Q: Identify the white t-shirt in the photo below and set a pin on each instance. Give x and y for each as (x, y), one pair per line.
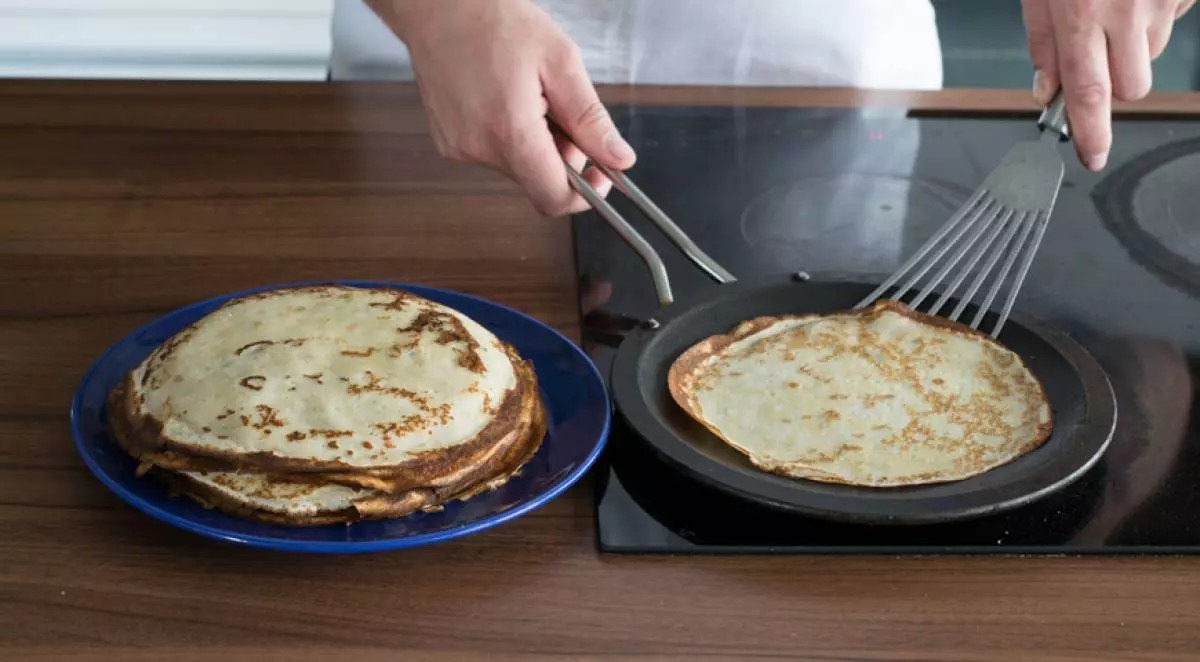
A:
(855, 43)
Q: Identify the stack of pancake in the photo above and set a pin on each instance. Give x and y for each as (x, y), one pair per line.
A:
(318, 405)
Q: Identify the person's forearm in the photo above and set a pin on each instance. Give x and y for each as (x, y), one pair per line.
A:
(401, 16)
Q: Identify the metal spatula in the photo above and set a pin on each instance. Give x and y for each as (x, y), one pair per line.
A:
(1002, 222)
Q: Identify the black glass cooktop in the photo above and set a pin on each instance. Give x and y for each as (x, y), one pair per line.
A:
(774, 191)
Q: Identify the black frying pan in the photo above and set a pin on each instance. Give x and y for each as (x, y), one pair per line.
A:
(1081, 398)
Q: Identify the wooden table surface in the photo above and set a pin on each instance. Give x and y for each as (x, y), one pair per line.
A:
(119, 202)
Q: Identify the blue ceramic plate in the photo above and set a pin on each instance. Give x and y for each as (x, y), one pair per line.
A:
(573, 390)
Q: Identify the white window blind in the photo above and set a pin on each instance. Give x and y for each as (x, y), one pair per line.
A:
(166, 39)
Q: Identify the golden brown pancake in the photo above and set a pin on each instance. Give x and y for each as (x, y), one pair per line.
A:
(315, 405)
(326, 378)
(878, 397)
(280, 500)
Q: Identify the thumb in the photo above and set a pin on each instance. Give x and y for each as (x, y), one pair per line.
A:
(575, 105)
(1039, 29)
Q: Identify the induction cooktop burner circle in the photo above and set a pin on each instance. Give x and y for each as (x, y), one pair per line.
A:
(850, 221)
(1150, 205)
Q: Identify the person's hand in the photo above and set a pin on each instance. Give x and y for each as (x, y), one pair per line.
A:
(488, 72)
(1096, 50)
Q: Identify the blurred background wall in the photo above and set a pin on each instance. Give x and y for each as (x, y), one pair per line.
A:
(983, 41)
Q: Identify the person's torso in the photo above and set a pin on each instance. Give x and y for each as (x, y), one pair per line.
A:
(855, 43)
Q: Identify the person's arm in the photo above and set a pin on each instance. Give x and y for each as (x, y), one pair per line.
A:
(1096, 50)
(488, 72)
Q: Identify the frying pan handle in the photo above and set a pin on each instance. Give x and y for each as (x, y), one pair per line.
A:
(1054, 117)
(608, 329)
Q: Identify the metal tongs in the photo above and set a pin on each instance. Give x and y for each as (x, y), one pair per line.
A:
(658, 271)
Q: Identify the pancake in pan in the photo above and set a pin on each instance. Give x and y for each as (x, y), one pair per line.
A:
(879, 397)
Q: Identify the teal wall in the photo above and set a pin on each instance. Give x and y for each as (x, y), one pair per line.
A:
(983, 45)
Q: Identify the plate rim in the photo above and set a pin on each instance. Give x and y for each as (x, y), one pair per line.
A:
(316, 546)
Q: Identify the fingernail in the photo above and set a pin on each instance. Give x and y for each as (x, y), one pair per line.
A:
(617, 147)
(1096, 162)
(1042, 89)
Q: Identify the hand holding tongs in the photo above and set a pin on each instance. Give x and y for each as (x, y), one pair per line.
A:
(662, 282)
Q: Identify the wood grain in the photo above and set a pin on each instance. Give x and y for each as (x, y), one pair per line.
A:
(119, 202)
